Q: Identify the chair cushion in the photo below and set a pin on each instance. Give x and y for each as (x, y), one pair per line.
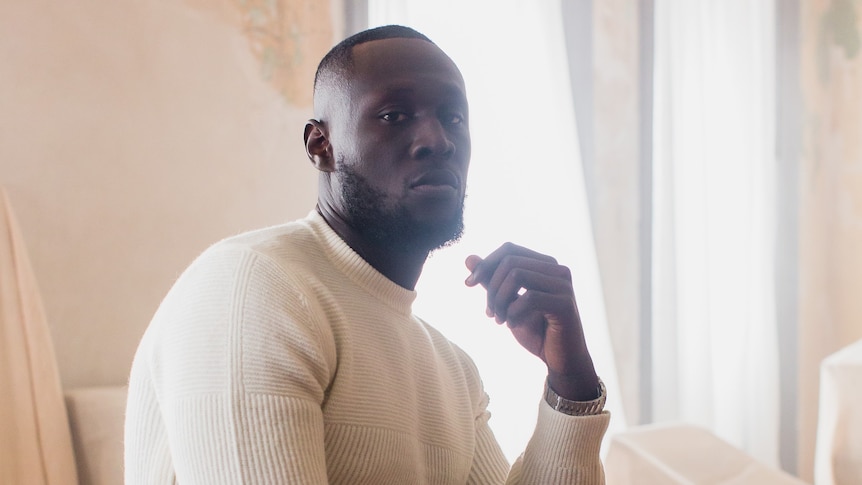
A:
(684, 454)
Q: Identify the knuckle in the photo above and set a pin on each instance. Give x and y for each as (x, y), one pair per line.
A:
(500, 303)
(517, 275)
(506, 264)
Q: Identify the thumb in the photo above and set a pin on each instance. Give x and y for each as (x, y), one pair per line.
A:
(472, 262)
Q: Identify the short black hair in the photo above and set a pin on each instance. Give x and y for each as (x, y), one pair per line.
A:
(340, 57)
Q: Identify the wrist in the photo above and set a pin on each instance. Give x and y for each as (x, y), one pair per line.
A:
(575, 387)
(576, 407)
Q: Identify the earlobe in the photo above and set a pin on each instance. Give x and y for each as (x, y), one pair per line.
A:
(317, 146)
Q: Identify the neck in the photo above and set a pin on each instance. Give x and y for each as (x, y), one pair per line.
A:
(401, 263)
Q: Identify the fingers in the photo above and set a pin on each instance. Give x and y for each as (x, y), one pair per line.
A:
(482, 270)
(472, 262)
(533, 294)
(526, 283)
(519, 281)
(548, 308)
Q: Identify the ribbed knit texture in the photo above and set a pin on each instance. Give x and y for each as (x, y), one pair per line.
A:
(280, 356)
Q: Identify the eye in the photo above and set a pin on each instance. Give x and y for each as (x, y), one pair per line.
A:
(454, 118)
(394, 117)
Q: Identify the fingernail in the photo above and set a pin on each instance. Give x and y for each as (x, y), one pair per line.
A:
(489, 312)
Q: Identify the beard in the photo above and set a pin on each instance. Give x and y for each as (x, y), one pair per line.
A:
(379, 220)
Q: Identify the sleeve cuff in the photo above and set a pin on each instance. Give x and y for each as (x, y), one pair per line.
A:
(567, 441)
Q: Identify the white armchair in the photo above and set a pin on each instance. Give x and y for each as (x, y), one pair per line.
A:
(838, 459)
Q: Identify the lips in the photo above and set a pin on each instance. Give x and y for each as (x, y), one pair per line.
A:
(436, 178)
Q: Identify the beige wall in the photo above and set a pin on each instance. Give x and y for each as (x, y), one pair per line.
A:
(830, 225)
(134, 134)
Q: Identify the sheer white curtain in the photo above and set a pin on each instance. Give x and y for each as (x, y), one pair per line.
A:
(525, 186)
(715, 342)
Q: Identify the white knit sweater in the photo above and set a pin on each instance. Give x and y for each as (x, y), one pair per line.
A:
(281, 356)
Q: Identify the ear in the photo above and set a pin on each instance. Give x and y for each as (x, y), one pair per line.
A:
(317, 146)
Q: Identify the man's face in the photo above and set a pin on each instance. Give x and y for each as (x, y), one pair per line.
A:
(401, 145)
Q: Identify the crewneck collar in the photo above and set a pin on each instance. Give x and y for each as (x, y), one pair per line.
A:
(349, 262)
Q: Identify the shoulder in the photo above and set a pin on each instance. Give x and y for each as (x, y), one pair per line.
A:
(289, 241)
(243, 305)
(244, 280)
(284, 252)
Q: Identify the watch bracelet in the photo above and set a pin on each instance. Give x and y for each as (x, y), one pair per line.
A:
(576, 408)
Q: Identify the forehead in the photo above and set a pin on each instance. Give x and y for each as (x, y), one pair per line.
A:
(404, 63)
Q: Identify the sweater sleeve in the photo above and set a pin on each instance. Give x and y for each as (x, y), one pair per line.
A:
(563, 450)
(239, 365)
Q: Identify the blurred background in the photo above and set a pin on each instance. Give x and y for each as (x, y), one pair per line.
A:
(697, 163)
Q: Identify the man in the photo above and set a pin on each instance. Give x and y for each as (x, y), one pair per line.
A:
(291, 355)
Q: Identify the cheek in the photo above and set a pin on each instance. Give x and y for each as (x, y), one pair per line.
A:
(380, 164)
(464, 144)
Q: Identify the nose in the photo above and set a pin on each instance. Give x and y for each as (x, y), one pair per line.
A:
(431, 140)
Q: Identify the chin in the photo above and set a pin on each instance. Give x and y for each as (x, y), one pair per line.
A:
(442, 234)
(412, 224)
(414, 234)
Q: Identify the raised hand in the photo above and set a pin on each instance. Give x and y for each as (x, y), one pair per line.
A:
(533, 295)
